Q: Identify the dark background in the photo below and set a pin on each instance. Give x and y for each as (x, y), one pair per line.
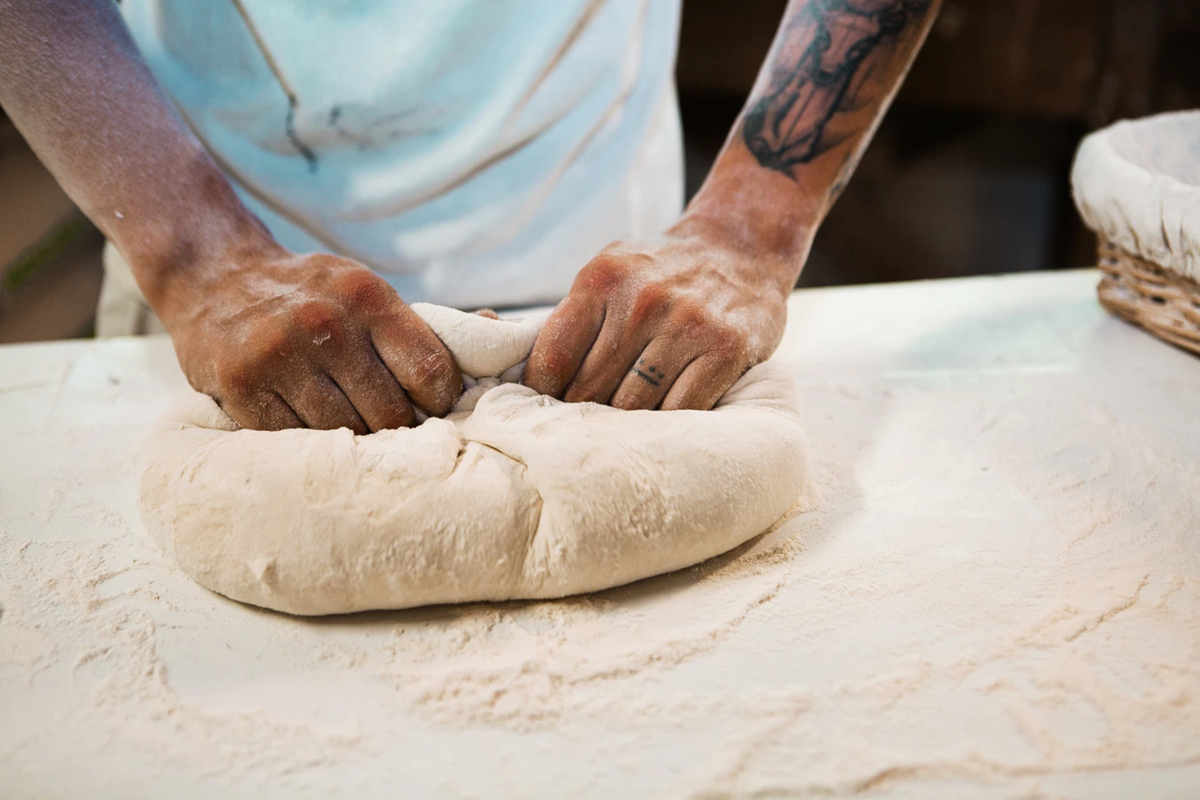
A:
(967, 175)
(969, 172)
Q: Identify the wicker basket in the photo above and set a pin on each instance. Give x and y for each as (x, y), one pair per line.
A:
(1163, 302)
(1137, 185)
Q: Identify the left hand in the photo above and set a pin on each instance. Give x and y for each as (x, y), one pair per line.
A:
(668, 323)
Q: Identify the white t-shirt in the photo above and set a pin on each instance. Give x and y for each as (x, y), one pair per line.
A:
(474, 152)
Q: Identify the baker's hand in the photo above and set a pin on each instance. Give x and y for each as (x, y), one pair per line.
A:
(670, 323)
(286, 341)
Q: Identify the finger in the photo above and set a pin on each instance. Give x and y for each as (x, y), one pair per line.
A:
(702, 383)
(321, 405)
(652, 375)
(262, 411)
(606, 364)
(417, 359)
(565, 340)
(371, 387)
(488, 313)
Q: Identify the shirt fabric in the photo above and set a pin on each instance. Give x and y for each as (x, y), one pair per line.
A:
(473, 152)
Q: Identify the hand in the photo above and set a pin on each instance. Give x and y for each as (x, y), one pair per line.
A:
(671, 323)
(288, 341)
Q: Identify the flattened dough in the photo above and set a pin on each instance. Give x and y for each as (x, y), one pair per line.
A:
(514, 496)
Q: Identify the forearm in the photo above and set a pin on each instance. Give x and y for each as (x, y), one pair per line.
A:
(832, 71)
(74, 83)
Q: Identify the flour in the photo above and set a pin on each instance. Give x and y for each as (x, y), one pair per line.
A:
(998, 595)
(595, 661)
(107, 650)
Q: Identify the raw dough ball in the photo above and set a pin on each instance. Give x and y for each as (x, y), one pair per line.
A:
(515, 495)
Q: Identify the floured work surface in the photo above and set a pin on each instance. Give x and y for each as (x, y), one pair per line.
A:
(999, 596)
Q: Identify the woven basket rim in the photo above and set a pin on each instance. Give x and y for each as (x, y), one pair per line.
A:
(1160, 300)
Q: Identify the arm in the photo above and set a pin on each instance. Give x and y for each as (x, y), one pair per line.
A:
(280, 340)
(673, 322)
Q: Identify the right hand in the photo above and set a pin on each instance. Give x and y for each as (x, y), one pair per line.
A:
(317, 341)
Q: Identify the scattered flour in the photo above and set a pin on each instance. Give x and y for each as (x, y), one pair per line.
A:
(999, 596)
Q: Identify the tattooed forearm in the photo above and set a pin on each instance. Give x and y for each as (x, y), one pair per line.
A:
(835, 57)
(833, 69)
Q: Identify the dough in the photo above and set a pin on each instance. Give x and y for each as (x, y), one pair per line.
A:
(482, 348)
(515, 495)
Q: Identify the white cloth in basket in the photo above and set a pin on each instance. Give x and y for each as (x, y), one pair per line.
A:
(1137, 183)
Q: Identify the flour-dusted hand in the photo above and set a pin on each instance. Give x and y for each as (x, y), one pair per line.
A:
(279, 340)
(316, 341)
(670, 323)
(283, 340)
(673, 323)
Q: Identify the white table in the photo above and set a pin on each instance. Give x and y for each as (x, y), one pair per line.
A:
(999, 596)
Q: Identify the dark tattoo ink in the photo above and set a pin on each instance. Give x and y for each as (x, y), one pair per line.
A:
(835, 38)
(653, 375)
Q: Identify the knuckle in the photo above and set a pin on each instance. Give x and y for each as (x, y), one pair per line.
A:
(604, 273)
(728, 344)
(692, 319)
(319, 320)
(364, 289)
(650, 302)
(314, 314)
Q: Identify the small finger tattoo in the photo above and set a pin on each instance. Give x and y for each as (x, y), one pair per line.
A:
(652, 375)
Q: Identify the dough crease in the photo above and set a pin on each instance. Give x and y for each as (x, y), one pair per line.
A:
(513, 496)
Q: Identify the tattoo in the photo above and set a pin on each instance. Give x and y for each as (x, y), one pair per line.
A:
(818, 75)
(653, 375)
